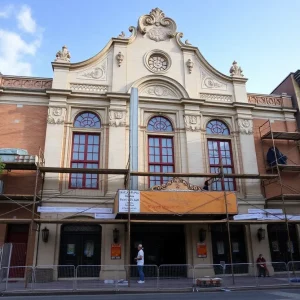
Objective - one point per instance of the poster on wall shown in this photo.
(201, 250)
(71, 249)
(134, 201)
(115, 251)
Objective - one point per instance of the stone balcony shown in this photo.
(278, 101)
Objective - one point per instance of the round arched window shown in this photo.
(87, 120)
(217, 127)
(160, 124)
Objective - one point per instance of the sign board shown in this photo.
(53, 209)
(134, 201)
(201, 250)
(105, 216)
(115, 251)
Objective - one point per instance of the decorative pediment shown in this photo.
(177, 184)
(156, 26)
(97, 72)
(159, 90)
(208, 82)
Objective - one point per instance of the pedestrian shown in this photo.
(262, 266)
(140, 263)
(206, 184)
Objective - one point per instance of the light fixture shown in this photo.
(45, 234)
(261, 234)
(202, 235)
(116, 235)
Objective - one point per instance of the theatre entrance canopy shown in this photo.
(176, 198)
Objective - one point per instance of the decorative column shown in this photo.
(117, 158)
(249, 159)
(192, 119)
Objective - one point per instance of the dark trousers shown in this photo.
(141, 273)
(261, 271)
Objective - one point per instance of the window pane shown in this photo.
(159, 124)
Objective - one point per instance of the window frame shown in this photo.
(160, 137)
(229, 141)
(85, 161)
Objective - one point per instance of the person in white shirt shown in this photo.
(140, 263)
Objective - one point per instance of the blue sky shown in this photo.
(262, 36)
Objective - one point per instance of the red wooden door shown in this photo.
(18, 236)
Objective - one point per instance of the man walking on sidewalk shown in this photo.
(140, 263)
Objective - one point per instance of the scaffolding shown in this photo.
(280, 166)
(273, 174)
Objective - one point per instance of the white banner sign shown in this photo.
(134, 201)
(50, 209)
(105, 216)
(264, 211)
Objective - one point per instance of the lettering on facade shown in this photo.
(39, 84)
(265, 100)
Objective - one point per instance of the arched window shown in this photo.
(160, 149)
(160, 124)
(217, 127)
(220, 153)
(85, 151)
(87, 120)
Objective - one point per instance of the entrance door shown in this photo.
(18, 236)
(220, 246)
(278, 239)
(163, 244)
(80, 246)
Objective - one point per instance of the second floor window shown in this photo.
(220, 153)
(160, 149)
(85, 152)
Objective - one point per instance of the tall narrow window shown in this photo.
(85, 152)
(220, 153)
(160, 150)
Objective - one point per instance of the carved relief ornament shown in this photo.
(192, 122)
(119, 58)
(56, 115)
(157, 26)
(208, 82)
(190, 65)
(98, 72)
(235, 70)
(117, 118)
(245, 126)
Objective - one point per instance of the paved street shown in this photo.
(284, 294)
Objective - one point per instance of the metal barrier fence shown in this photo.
(165, 277)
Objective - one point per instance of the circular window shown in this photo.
(157, 61)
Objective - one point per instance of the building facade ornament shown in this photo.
(208, 82)
(157, 26)
(63, 55)
(89, 88)
(235, 70)
(190, 65)
(176, 184)
(187, 43)
(215, 97)
(117, 118)
(24, 83)
(122, 35)
(119, 58)
(98, 72)
(157, 61)
(192, 122)
(245, 126)
(158, 91)
(56, 115)
(265, 100)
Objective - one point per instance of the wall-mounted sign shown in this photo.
(201, 250)
(115, 251)
(134, 201)
(87, 210)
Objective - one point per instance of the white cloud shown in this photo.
(16, 50)
(6, 11)
(25, 20)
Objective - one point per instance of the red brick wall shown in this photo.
(22, 127)
(288, 148)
